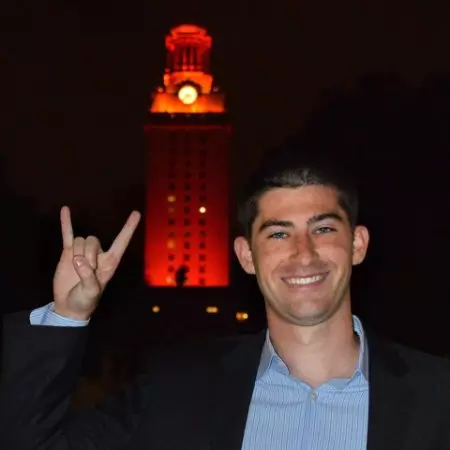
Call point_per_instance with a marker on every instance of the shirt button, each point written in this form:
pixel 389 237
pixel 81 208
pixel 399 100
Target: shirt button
pixel 313 396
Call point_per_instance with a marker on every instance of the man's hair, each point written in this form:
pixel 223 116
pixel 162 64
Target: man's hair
pixel 296 164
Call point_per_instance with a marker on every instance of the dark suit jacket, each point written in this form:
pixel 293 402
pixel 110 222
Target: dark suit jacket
pixel 196 398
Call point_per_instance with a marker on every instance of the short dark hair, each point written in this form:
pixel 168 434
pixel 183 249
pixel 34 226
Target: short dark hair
pixel 295 164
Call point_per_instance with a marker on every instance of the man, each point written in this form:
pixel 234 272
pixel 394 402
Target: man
pixel 315 379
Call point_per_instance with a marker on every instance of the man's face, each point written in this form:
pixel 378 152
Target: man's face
pixel 302 251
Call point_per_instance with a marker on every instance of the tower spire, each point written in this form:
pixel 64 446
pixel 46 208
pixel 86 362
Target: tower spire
pixel 188 81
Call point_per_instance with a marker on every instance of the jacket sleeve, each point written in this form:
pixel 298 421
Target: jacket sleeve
pixel 40 367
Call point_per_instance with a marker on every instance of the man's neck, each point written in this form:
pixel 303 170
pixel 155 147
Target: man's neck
pixel 316 354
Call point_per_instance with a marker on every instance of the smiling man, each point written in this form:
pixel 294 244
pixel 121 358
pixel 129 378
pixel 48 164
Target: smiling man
pixel 315 379
pixel 301 242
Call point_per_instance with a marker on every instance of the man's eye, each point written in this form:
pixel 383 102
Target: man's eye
pixel 278 235
pixel 324 230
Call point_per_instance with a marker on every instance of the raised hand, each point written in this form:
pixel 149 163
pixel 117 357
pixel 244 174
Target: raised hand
pixel 84 269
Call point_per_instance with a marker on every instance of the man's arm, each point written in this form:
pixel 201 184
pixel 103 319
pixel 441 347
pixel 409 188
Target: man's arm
pixel 43 351
pixel 40 371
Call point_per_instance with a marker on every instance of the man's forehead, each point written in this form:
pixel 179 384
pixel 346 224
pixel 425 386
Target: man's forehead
pixel 299 207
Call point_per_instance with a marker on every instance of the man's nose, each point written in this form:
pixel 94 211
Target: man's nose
pixel 303 250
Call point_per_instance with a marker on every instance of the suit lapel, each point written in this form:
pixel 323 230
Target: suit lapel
pixel 390 398
pixel 232 393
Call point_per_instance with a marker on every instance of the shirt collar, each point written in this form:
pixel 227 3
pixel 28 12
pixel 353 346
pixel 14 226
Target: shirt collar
pixel 269 355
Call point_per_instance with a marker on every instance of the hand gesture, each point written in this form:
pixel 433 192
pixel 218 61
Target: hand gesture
pixel 84 269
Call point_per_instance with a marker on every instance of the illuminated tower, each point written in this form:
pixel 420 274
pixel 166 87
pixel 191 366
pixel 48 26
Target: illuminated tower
pixel 187 209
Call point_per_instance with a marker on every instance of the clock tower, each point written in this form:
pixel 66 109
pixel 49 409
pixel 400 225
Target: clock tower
pixel 187 233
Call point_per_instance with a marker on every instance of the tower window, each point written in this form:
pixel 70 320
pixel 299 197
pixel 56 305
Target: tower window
pixel 171 257
pixel 187 246
pixel 187 210
pixel 202 222
pixel 187 198
pixel 171 221
pixel 201 281
pixel 187 186
pixel 202 257
pixel 202 269
pixel 187 222
pixel 202 245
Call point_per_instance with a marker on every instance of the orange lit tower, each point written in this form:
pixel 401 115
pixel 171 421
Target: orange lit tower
pixel 187 209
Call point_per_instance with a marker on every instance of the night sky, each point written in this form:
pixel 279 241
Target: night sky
pixel 77 78
pixel 79 74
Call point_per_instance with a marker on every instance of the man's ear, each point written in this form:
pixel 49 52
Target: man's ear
pixel 244 254
pixel 360 244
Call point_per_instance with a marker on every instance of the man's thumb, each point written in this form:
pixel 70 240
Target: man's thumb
pixel 88 279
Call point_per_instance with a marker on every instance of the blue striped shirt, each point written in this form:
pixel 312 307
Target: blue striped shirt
pixel 45 315
pixel 286 413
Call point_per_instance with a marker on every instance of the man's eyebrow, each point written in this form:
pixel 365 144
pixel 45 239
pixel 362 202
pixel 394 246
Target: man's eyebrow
pixel 320 217
pixel 275 223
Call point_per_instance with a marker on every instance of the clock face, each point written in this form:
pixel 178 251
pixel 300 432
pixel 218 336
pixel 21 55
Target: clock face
pixel 188 94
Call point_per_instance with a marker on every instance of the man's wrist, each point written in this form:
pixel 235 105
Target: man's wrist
pixel 46 316
pixel 63 313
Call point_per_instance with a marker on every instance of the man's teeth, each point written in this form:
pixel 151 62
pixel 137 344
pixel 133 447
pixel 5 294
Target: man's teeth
pixel 304 280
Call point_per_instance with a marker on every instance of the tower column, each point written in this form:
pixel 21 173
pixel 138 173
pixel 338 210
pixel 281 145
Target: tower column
pixel 187 233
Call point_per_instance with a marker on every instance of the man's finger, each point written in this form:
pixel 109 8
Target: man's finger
pixel 78 246
pixel 122 240
pixel 88 279
pixel 92 249
pixel 66 227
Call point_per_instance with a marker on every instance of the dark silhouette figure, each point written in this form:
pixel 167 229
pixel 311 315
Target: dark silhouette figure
pixel 181 276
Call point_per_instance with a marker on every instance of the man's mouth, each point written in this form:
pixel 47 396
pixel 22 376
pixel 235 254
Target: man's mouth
pixel 305 281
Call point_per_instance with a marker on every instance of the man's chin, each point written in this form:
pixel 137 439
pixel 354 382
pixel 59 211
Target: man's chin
pixel 309 320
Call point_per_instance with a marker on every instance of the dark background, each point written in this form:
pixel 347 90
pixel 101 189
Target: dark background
pixel 370 82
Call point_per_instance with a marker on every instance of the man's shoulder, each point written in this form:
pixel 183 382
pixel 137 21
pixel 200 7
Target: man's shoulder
pixel 420 365
pixel 419 359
